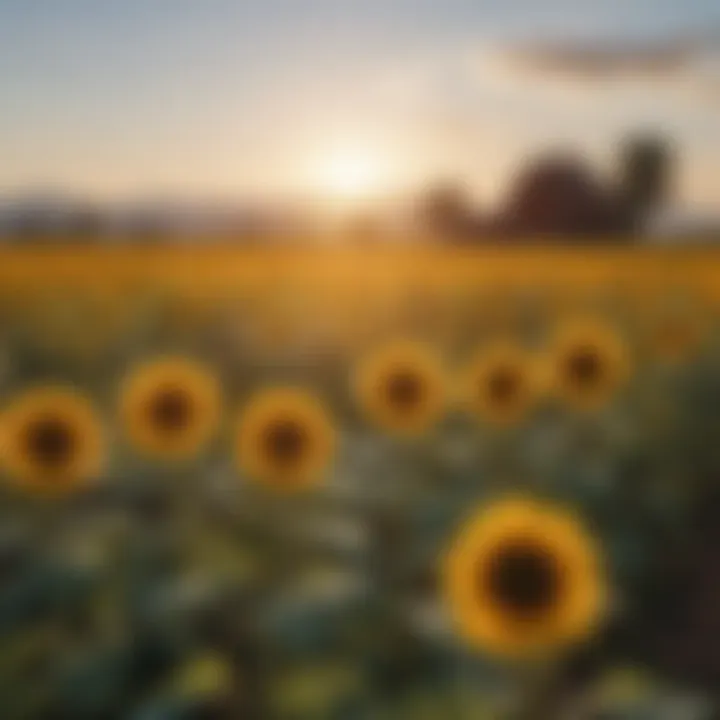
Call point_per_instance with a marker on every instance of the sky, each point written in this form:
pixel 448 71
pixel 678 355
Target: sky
pixel 269 98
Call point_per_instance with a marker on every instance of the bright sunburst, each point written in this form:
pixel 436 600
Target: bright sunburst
pixel 351 174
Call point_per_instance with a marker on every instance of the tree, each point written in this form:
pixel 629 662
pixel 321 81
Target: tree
pixel 645 176
pixel 557 195
pixel 445 211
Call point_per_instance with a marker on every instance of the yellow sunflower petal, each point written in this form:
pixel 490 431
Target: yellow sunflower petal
pixel 402 388
pixel 285 439
pixel 502 384
pixel 523 578
pixel 170 408
pixel 51 440
pixel 588 364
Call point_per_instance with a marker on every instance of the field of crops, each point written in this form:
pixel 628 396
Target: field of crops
pixel 353 484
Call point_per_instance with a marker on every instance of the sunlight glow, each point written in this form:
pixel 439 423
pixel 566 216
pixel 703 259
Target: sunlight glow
pixel 352 174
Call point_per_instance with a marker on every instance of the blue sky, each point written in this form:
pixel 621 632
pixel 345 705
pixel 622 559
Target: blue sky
pixel 232 97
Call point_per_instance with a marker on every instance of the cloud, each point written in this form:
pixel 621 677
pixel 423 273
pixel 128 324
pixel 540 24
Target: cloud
pixel 667 57
pixel 686 66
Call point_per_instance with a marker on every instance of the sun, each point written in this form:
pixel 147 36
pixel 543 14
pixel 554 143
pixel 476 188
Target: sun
pixel 351 174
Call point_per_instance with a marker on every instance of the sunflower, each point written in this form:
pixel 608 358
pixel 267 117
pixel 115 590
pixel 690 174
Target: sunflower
pixel 402 388
pixel 51 440
pixel 170 408
pixel 524 577
pixel 501 384
pixel 285 438
pixel 588 364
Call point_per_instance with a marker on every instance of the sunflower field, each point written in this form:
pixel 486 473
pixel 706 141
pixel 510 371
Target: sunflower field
pixel 349 485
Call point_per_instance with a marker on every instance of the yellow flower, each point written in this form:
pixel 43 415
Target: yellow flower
pixel 524 577
pixel 588 364
pixel 170 408
pixel 402 388
pixel 502 384
pixel 51 440
pixel 285 438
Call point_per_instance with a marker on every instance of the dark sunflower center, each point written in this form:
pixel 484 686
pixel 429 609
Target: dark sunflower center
pixel 503 385
pixel 523 578
pixel 50 442
pixel 404 390
pixel 585 366
pixel 286 442
pixel 171 410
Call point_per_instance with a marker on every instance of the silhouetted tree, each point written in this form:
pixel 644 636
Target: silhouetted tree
pixel 557 195
pixel 445 211
pixel 560 195
pixel 645 178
